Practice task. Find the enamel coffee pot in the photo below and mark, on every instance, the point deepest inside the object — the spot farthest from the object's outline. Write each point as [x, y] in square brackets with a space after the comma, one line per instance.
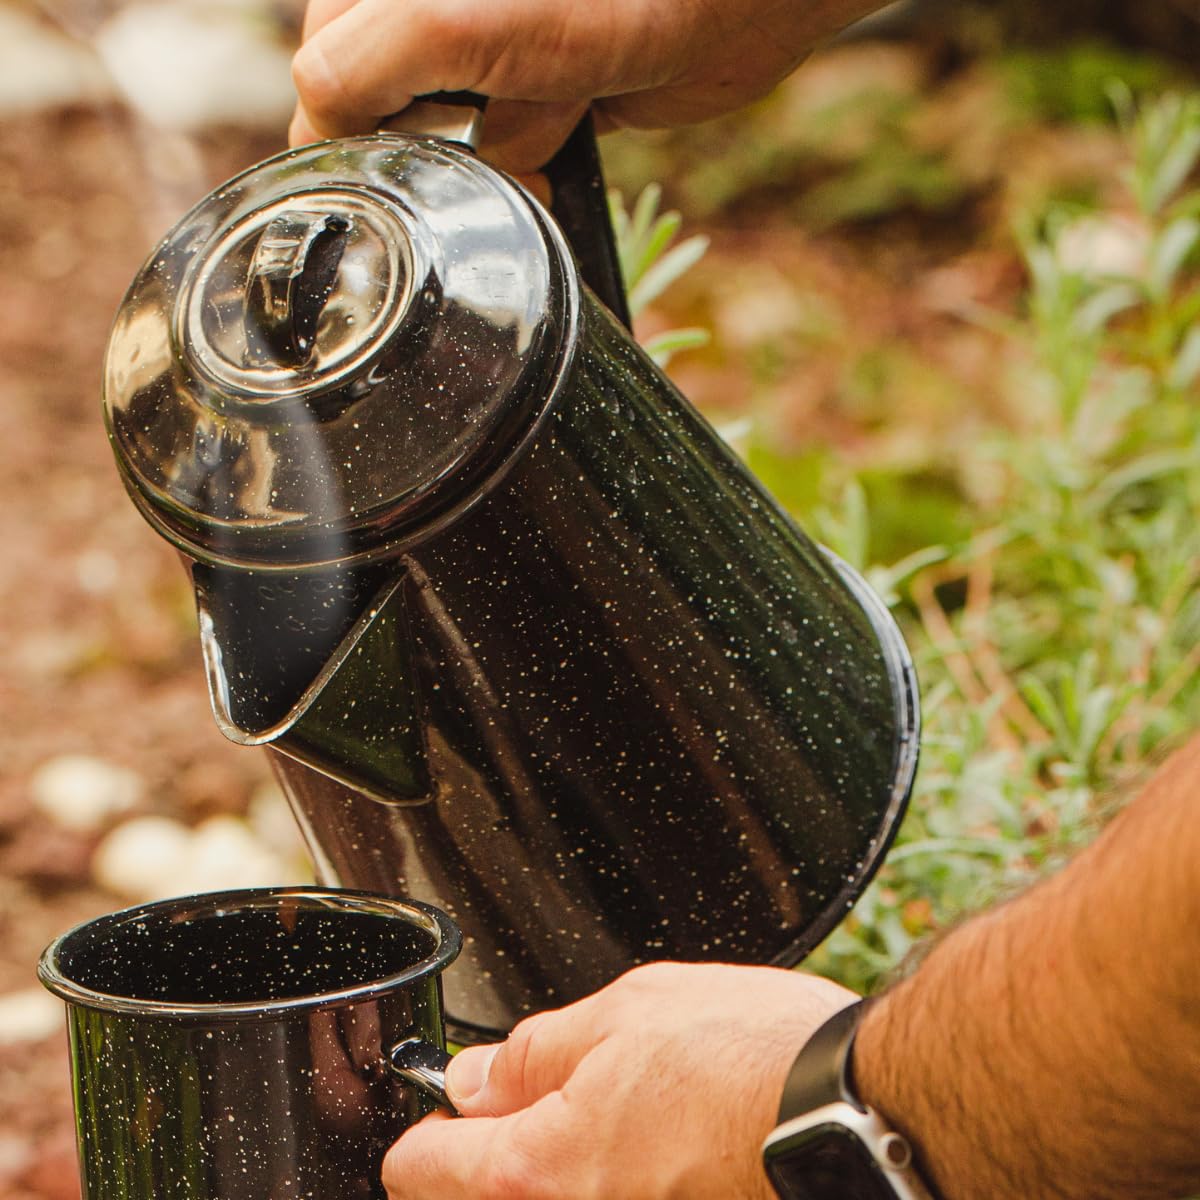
[524, 638]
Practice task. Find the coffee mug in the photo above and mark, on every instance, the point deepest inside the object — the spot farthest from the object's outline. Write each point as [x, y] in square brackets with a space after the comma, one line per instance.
[263, 1044]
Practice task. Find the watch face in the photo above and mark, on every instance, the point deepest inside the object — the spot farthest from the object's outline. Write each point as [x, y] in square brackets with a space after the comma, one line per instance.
[826, 1162]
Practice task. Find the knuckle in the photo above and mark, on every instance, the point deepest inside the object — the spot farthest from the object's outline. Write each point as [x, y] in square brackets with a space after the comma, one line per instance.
[318, 84]
[455, 40]
[517, 1174]
[519, 1053]
[650, 977]
[395, 1166]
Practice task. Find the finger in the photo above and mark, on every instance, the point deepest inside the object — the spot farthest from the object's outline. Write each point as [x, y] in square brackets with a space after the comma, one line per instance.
[538, 185]
[425, 1161]
[320, 12]
[370, 61]
[521, 137]
[526, 1154]
[538, 1058]
[302, 131]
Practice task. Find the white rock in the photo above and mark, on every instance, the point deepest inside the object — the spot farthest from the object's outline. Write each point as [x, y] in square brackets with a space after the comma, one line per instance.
[150, 858]
[97, 571]
[225, 854]
[273, 823]
[81, 792]
[29, 1016]
[40, 68]
[144, 859]
[15, 1155]
[186, 67]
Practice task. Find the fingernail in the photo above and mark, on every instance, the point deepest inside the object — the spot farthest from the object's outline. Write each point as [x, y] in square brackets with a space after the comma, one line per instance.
[468, 1072]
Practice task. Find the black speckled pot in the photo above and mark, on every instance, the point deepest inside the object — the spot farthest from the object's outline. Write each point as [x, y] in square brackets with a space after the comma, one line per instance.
[236, 1046]
[525, 638]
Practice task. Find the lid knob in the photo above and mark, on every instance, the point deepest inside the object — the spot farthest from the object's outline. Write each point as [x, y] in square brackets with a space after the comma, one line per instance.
[335, 352]
[290, 279]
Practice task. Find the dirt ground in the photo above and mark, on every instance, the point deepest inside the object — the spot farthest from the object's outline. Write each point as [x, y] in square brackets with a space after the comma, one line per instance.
[95, 634]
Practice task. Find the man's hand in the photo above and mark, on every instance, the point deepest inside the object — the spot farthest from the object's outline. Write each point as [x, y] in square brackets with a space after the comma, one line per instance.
[662, 1085]
[644, 63]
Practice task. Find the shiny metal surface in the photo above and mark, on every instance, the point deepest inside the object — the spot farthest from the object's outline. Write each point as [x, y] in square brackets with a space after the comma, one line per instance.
[236, 1045]
[527, 640]
[444, 319]
[448, 116]
[655, 721]
[423, 1064]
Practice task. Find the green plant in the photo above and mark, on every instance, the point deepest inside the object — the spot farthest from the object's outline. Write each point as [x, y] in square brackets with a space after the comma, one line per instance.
[1058, 643]
[651, 260]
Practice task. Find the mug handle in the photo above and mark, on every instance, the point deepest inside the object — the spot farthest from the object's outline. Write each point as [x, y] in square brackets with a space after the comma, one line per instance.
[423, 1065]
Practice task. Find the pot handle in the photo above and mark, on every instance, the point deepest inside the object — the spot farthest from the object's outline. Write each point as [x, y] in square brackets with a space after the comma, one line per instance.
[580, 206]
[449, 116]
[576, 178]
[423, 1065]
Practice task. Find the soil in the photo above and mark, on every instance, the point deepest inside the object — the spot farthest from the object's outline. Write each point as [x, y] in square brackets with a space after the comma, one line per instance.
[96, 632]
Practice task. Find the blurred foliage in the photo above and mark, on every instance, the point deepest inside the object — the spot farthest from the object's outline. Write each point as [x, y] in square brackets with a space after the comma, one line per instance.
[1029, 515]
[1058, 642]
[651, 261]
[867, 130]
[1071, 83]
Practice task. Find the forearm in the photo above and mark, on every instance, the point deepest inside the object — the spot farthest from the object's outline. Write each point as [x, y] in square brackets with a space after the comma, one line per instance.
[1051, 1048]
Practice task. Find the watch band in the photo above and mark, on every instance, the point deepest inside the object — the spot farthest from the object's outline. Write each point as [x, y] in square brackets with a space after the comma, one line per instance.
[825, 1132]
[823, 1071]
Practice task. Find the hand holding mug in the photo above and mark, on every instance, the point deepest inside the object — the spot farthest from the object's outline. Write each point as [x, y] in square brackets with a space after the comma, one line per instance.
[662, 1084]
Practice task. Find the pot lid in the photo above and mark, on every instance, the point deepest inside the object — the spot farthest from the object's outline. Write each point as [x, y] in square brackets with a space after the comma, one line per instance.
[334, 351]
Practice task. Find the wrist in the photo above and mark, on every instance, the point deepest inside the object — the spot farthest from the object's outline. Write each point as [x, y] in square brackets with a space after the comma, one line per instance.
[1049, 1048]
[828, 1143]
[884, 1084]
[961, 1059]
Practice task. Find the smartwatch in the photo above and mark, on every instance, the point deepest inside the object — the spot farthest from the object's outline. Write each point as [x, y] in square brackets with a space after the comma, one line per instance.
[828, 1144]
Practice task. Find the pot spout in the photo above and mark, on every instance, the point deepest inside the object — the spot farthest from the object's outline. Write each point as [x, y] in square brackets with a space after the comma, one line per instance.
[318, 665]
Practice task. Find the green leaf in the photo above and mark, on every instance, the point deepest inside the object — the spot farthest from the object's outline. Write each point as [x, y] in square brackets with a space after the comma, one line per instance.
[1140, 470]
[1041, 700]
[665, 346]
[1093, 315]
[666, 271]
[1167, 146]
[644, 211]
[659, 237]
[1185, 369]
[1169, 252]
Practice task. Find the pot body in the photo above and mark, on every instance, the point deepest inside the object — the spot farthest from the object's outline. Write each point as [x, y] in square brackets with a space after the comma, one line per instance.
[655, 721]
[207, 1065]
[526, 639]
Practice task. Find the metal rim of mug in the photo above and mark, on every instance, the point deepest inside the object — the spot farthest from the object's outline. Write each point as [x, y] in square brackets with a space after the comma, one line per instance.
[416, 912]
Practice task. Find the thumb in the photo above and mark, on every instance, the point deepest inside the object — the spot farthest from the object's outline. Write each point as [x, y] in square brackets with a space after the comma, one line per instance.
[538, 1058]
[467, 1074]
